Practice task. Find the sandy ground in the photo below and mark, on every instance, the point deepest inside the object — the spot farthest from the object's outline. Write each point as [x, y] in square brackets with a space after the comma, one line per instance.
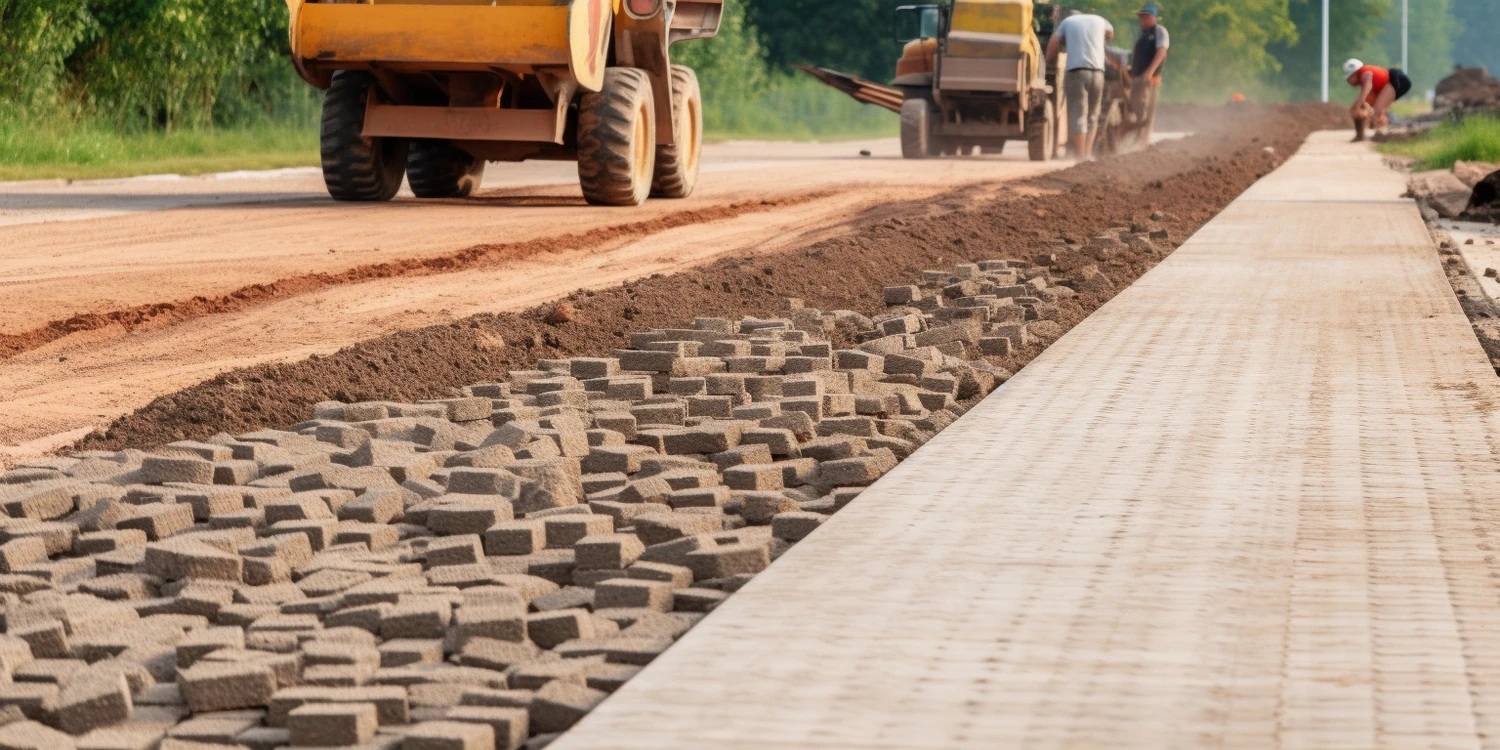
[99, 246]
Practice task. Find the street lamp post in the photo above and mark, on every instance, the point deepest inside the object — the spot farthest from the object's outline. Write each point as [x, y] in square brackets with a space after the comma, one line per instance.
[1325, 50]
[1405, 35]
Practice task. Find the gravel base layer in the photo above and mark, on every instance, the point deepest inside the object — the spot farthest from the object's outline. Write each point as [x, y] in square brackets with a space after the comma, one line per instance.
[482, 568]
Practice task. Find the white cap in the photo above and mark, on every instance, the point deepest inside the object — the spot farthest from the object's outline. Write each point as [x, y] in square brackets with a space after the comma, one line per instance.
[1352, 66]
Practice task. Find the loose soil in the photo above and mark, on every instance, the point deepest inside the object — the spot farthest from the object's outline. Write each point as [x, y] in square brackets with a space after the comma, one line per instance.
[1176, 186]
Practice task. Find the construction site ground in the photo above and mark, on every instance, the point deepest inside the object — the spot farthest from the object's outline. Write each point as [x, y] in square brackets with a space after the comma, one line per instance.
[121, 291]
[1195, 446]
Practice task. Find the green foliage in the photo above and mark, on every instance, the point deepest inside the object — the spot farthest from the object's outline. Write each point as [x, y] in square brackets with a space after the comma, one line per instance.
[36, 39]
[794, 107]
[730, 65]
[1430, 47]
[854, 36]
[1477, 37]
[1473, 139]
[1352, 23]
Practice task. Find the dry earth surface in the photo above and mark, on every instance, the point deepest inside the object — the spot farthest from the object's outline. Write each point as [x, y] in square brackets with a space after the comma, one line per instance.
[125, 290]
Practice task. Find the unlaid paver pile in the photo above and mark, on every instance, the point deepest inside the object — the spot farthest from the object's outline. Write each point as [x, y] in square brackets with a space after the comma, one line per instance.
[478, 571]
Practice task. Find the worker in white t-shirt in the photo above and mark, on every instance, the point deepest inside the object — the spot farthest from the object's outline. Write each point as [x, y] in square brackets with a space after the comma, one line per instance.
[1085, 38]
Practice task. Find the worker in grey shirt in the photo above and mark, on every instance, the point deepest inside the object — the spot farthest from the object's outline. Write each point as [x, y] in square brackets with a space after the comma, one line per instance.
[1085, 37]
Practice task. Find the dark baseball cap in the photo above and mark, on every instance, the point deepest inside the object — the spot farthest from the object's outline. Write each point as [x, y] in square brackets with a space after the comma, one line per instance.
[1149, 9]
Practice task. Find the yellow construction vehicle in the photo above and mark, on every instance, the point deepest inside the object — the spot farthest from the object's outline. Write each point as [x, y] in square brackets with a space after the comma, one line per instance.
[433, 89]
[972, 75]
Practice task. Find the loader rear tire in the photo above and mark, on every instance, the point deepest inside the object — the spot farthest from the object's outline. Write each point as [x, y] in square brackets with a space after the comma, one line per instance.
[356, 168]
[617, 139]
[1041, 134]
[917, 141]
[439, 169]
[677, 164]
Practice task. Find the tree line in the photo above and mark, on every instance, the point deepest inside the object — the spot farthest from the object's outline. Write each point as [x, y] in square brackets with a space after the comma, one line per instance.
[184, 63]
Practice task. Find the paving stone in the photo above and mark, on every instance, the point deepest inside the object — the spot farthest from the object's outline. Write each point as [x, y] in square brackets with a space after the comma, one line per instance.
[458, 550]
[332, 724]
[521, 537]
[558, 706]
[31, 735]
[794, 526]
[511, 725]
[449, 735]
[565, 531]
[548, 629]
[607, 551]
[499, 622]
[93, 700]
[390, 701]
[721, 561]
[647, 594]
[219, 686]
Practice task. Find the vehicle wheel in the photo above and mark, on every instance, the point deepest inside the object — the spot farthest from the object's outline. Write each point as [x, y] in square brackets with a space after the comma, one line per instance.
[677, 164]
[617, 139]
[438, 169]
[1109, 131]
[1041, 135]
[917, 141]
[356, 168]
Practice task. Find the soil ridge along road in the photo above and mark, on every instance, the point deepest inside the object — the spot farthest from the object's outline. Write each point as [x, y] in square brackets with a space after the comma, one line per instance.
[1176, 186]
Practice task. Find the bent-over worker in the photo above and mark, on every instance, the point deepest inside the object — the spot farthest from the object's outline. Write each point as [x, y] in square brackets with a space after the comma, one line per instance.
[1378, 90]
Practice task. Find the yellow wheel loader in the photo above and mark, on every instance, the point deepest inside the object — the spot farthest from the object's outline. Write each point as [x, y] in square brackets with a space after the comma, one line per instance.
[972, 76]
[432, 89]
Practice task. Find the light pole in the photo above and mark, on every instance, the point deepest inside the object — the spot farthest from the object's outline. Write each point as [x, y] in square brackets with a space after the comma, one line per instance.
[1404, 36]
[1325, 50]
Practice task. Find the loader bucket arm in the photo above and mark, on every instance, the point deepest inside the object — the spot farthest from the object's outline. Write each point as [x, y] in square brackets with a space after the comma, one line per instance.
[863, 91]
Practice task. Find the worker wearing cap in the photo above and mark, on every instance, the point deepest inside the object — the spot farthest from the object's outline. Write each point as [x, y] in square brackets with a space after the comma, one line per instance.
[1085, 36]
[1145, 70]
[1378, 90]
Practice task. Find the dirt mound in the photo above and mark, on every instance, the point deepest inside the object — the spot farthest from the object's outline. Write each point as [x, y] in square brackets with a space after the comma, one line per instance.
[1468, 88]
[1176, 187]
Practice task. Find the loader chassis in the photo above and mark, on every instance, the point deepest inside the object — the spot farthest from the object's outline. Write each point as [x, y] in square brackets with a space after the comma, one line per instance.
[462, 82]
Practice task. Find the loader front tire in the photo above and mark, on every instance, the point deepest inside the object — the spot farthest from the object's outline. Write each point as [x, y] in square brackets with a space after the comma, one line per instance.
[1041, 134]
[356, 168]
[677, 164]
[917, 141]
[617, 139]
[438, 169]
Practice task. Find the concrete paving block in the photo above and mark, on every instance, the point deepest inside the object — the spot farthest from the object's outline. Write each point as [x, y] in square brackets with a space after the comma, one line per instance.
[714, 437]
[607, 551]
[676, 575]
[90, 701]
[722, 561]
[754, 477]
[548, 483]
[693, 599]
[511, 725]
[391, 704]
[656, 528]
[471, 517]
[201, 642]
[374, 536]
[47, 639]
[416, 619]
[498, 622]
[455, 550]
[558, 706]
[449, 735]
[623, 458]
[472, 481]
[19, 553]
[163, 469]
[332, 724]
[647, 594]
[32, 735]
[758, 508]
[221, 686]
[402, 651]
[699, 497]
[38, 701]
[794, 526]
[565, 531]
[372, 507]
[548, 629]
[160, 520]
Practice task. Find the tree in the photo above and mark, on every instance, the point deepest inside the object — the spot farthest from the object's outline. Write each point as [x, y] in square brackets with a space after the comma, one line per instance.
[1477, 41]
[1352, 23]
[855, 36]
[1430, 47]
[1218, 46]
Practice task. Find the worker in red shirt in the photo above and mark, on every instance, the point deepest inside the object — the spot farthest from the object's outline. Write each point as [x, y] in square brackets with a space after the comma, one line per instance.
[1378, 90]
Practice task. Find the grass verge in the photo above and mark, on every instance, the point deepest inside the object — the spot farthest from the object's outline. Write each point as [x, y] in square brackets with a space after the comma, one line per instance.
[1473, 139]
[794, 107]
[85, 150]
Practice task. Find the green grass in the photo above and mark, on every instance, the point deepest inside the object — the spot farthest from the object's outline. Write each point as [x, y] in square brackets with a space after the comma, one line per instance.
[795, 108]
[72, 150]
[1474, 139]
[790, 108]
